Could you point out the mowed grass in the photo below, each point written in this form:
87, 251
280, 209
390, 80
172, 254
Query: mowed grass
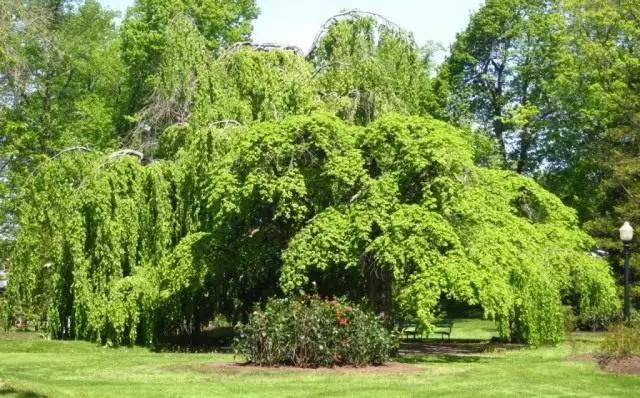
33, 367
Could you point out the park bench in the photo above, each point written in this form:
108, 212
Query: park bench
443, 328
411, 329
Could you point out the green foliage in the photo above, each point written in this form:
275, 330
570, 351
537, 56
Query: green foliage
590, 155
270, 84
219, 23
313, 332
61, 82
570, 319
472, 234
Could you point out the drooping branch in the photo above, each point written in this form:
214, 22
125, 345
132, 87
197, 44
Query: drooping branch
262, 47
57, 155
71, 149
325, 65
126, 152
225, 123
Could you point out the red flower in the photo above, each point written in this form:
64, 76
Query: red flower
349, 309
336, 358
342, 322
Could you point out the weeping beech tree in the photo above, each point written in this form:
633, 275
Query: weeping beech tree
394, 215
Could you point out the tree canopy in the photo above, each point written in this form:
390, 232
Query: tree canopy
394, 214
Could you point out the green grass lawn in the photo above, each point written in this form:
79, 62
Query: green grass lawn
33, 367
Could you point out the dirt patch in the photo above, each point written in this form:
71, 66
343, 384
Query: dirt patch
392, 367
621, 365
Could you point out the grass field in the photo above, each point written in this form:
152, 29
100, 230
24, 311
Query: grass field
33, 367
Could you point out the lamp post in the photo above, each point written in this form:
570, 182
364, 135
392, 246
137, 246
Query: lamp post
626, 235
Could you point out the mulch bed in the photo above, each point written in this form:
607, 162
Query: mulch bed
612, 365
407, 350
622, 365
391, 367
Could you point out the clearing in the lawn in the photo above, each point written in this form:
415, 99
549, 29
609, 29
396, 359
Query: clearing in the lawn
32, 367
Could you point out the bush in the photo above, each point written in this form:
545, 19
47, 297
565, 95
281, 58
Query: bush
594, 321
313, 332
622, 341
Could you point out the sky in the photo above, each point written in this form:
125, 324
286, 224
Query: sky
296, 22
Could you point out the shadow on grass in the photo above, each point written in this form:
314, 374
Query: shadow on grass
217, 340
584, 340
7, 390
200, 348
431, 359
420, 352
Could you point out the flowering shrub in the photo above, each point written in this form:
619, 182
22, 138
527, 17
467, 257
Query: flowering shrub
312, 332
622, 341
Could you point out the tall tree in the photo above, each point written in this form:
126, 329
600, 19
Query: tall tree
247, 83
499, 75
599, 170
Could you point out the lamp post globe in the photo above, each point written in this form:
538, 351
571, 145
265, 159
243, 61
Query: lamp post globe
626, 236
626, 232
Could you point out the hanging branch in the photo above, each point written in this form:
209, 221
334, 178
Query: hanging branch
126, 152
262, 47
325, 65
71, 149
57, 155
224, 123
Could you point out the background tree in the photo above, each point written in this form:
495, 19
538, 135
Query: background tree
221, 23
500, 72
600, 171
60, 84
